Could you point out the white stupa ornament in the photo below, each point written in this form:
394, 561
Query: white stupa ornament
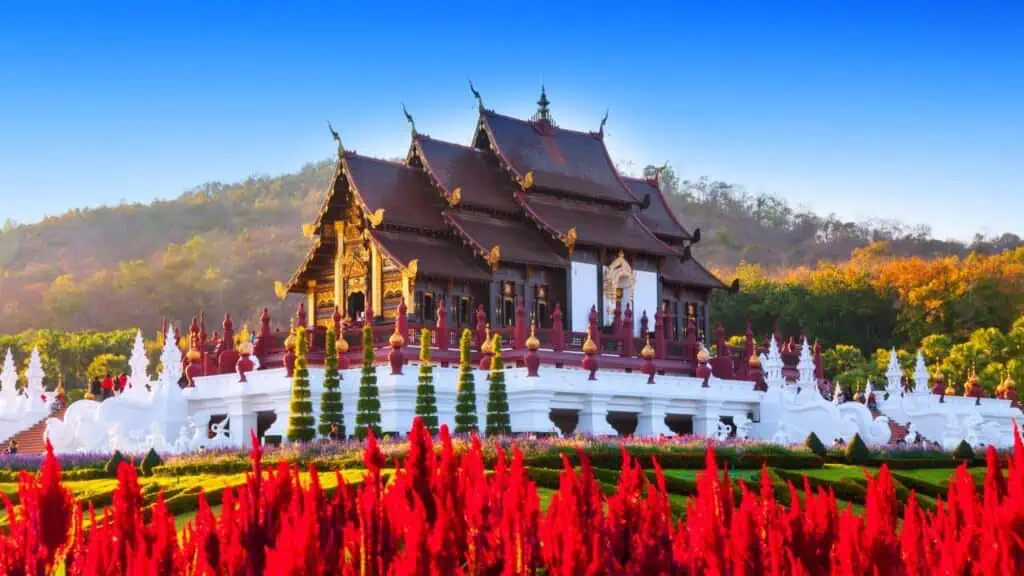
894, 374
838, 397
170, 360
8, 382
806, 365
138, 364
34, 376
921, 376
772, 365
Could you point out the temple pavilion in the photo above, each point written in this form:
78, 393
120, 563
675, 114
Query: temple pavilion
529, 215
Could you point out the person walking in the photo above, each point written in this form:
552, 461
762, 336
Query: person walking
108, 386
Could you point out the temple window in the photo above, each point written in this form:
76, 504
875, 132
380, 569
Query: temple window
463, 311
507, 309
425, 305
671, 307
540, 305
696, 311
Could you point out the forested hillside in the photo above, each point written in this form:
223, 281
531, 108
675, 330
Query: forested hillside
220, 248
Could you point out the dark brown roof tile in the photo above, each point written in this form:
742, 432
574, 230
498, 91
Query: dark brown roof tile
520, 242
595, 225
437, 257
689, 273
575, 163
658, 216
404, 192
476, 173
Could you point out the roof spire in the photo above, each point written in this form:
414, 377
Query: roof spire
479, 100
334, 134
603, 122
408, 118
543, 113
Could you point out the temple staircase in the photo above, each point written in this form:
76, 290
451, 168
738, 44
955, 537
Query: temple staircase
32, 441
899, 431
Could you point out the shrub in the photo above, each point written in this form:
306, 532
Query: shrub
114, 463
465, 407
426, 399
331, 406
963, 451
151, 461
497, 398
368, 408
814, 444
300, 410
857, 451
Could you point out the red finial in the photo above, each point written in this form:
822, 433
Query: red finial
557, 333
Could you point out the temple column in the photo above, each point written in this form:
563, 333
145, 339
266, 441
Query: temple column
651, 421
376, 279
311, 303
339, 259
705, 422
593, 418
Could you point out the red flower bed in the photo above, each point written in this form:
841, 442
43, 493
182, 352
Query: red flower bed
445, 514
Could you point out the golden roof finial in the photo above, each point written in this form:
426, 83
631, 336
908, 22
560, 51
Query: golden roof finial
396, 339
493, 257
570, 240
376, 217
456, 198
648, 351
487, 346
532, 343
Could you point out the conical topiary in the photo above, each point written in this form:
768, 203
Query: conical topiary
114, 463
857, 451
814, 444
497, 398
331, 405
963, 451
368, 408
465, 407
300, 415
426, 399
151, 461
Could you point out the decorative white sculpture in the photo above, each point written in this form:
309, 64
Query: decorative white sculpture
34, 376
138, 364
724, 431
894, 375
8, 384
806, 367
920, 376
170, 361
781, 437
772, 365
912, 435
838, 396
743, 426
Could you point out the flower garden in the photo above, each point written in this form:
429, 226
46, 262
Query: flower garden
443, 505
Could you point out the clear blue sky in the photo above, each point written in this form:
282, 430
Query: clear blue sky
908, 109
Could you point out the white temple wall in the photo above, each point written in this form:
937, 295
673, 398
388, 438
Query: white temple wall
645, 298
584, 294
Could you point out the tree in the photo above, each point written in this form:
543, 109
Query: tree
106, 364
465, 407
300, 416
497, 398
368, 408
426, 399
331, 405
814, 444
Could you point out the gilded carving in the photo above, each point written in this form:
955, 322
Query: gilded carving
456, 197
493, 257
308, 230
376, 217
528, 180
570, 240
280, 290
413, 268
619, 283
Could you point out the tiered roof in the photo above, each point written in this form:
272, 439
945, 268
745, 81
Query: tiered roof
527, 192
